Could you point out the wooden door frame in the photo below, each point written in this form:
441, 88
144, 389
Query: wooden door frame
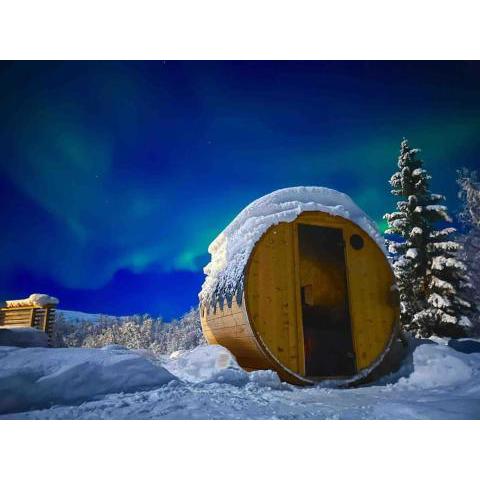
301, 340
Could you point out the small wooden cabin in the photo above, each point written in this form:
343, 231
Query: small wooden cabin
299, 283
36, 311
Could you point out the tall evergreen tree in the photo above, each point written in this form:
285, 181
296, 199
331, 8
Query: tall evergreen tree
430, 276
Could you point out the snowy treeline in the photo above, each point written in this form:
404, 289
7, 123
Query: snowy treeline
134, 332
433, 280
469, 184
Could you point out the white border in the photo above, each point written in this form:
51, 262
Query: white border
260, 29
250, 29
239, 449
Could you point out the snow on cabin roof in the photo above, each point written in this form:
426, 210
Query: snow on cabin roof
34, 300
232, 248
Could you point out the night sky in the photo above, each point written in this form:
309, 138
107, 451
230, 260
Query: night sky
115, 176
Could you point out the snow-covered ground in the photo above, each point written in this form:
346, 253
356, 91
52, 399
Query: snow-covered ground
39, 377
436, 381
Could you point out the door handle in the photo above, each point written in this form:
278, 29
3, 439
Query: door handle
307, 294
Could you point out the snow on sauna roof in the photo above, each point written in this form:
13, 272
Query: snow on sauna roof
232, 248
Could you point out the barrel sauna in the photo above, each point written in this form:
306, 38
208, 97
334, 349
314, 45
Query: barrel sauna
299, 283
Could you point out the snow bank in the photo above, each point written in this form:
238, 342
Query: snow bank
208, 364
23, 337
434, 365
34, 300
41, 377
267, 378
435, 382
215, 364
231, 249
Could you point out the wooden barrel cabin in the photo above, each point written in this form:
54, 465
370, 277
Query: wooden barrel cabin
299, 283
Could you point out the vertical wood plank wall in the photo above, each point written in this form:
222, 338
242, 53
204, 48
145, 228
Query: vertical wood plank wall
229, 327
372, 311
271, 295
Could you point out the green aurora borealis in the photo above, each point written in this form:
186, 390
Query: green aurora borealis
115, 176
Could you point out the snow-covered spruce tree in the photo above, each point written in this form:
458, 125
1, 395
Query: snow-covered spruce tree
430, 275
469, 194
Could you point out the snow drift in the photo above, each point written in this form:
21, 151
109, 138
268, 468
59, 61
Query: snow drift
23, 337
435, 382
209, 364
231, 249
215, 364
41, 377
435, 365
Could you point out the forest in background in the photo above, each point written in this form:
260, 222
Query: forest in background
137, 332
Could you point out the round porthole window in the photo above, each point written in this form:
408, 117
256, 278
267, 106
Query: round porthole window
356, 241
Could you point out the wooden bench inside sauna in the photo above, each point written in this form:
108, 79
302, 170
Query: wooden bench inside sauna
36, 311
299, 283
